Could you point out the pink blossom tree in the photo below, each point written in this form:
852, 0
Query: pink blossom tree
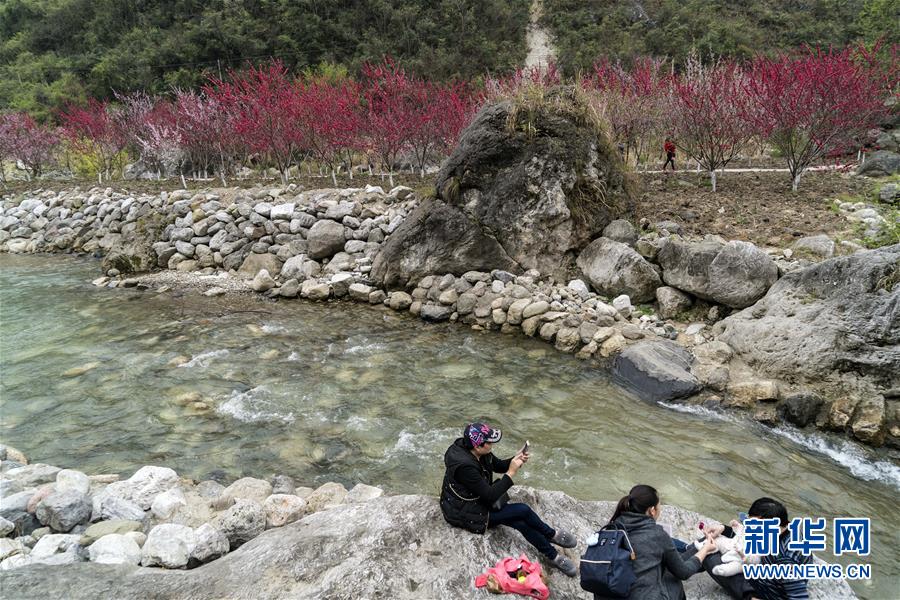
24, 140
815, 104
706, 111
207, 134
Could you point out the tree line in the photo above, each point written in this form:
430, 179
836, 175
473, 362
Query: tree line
806, 104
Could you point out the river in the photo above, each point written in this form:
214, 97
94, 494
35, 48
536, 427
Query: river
349, 393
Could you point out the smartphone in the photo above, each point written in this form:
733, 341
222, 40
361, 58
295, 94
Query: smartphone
525, 448
742, 516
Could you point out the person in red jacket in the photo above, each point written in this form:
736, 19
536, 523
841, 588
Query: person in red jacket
669, 149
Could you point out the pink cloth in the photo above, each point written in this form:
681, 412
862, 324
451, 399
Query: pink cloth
504, 572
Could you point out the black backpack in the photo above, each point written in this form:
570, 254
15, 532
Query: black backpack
606, 566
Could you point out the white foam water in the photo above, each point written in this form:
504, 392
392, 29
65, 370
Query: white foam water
269, 328
203, 359
846, 454
696, 409
427, 443
252, 406
364, 348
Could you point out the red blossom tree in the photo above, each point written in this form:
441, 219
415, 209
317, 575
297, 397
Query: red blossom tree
267, 107
816, 104
706, 111
392, 112
96, 131
332, 116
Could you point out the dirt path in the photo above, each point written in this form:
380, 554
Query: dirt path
540, 46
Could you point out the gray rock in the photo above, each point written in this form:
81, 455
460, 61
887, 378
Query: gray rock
672, 302
659, 370
113, 507
880, 164
242, 522
408, 550
300, 268
103, 528
621, 231
64, 510
282, 509
614, 268
818, 246
509, 201
262, 282
290, 289
54, 543
69, 479
735, 274
249, 488
399, 300
33, 474
255, 263
836, 316
314, 290
435, 312
889, 193
211, 544
801, 408
326, 238
6, 527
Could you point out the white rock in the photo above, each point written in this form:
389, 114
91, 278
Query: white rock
54, 543
694, 328
282, 211
142, 487
115, 549
69, 479
363, 493
579, 287
282, 509
10, 547
623, 304
139, 537
169, 546
165, 504
6, 527
14, 562
211, 543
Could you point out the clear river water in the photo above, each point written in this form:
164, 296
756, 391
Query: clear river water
348, 393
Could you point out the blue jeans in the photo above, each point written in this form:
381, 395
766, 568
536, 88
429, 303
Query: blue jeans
524, 520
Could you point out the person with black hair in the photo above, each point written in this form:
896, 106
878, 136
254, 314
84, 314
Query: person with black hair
658, 566
471, 499
763, 589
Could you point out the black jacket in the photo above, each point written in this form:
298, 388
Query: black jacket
659, 567
469, 489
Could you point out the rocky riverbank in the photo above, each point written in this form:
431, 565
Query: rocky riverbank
652, 303
155, 534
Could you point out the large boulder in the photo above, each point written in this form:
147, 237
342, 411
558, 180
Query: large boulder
659, 370
142, 487
735, 273
132, 251
62, 511
880, 164
254, 263
325, 238
837, 316
614, 268
525, 188
397, 546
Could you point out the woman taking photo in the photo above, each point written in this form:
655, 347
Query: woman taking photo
471, 499
658, 566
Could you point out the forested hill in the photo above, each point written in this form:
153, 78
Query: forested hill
58, 51
585, 29
53, 51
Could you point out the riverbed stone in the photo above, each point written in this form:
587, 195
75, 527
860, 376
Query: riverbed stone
516, 311
262, 282
282, 509
9, 547
435, 312
242, 522
326, 496
801, 408
301, 268
399, 300
54, 543
142, 487
615, 268
168, 546
289, 289
211, 544
325, 238
62, 511
363, 493
6, 527
75, 480
166, 503
107, 506
115, 549
33, 475
256, 263
745, 394
359, 292
868, 422
249, 488
535, 309
672, 301
104, 528
656, 370
621, 231
735, 273
816, 246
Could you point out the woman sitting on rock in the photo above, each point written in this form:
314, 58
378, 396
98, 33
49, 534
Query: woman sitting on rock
471, 499
659, 566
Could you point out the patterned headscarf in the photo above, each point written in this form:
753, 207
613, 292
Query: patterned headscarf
479, 434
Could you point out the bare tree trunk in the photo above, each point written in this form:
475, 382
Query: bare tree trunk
712, 178
334, 177
795, 182
183, 182
391, 177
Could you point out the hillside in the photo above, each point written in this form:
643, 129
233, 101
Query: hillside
54, 51
586, 29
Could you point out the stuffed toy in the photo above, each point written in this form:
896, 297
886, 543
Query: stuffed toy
732, 551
